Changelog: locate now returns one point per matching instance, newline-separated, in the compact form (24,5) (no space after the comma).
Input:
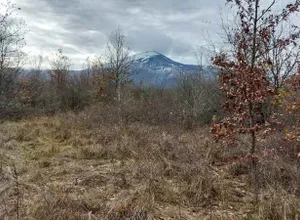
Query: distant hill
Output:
(156,69)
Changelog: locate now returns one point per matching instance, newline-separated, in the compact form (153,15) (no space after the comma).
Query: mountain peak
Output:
(155,68)
(146,55)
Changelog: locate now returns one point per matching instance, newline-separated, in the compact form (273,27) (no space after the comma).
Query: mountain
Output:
(152,68)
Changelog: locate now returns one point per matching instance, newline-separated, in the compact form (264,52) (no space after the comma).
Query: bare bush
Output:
(199,98)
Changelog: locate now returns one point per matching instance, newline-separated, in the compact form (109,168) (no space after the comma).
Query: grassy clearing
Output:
(69,167)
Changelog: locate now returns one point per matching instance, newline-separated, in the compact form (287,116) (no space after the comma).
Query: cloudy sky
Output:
(81,27)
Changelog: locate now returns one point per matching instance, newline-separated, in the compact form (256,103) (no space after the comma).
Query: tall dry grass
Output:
(87,166)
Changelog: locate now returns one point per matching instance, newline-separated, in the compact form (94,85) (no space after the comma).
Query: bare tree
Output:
(12,32)
(59,73)
(35,84)
(101,78)
(119,63)
(86,72)
(282,61)
(36,63)
(60,69)
(96,77)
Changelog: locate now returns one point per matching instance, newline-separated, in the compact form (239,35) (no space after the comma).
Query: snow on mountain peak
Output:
(146,55)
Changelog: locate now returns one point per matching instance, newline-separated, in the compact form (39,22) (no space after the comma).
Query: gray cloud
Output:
(81,27)
(149,39)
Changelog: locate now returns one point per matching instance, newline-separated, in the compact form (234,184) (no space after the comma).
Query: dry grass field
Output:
(78,166)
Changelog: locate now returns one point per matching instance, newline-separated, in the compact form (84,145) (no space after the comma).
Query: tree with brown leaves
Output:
(245,74)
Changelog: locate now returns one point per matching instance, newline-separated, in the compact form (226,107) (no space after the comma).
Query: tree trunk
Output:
(119,101)
(252,122)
